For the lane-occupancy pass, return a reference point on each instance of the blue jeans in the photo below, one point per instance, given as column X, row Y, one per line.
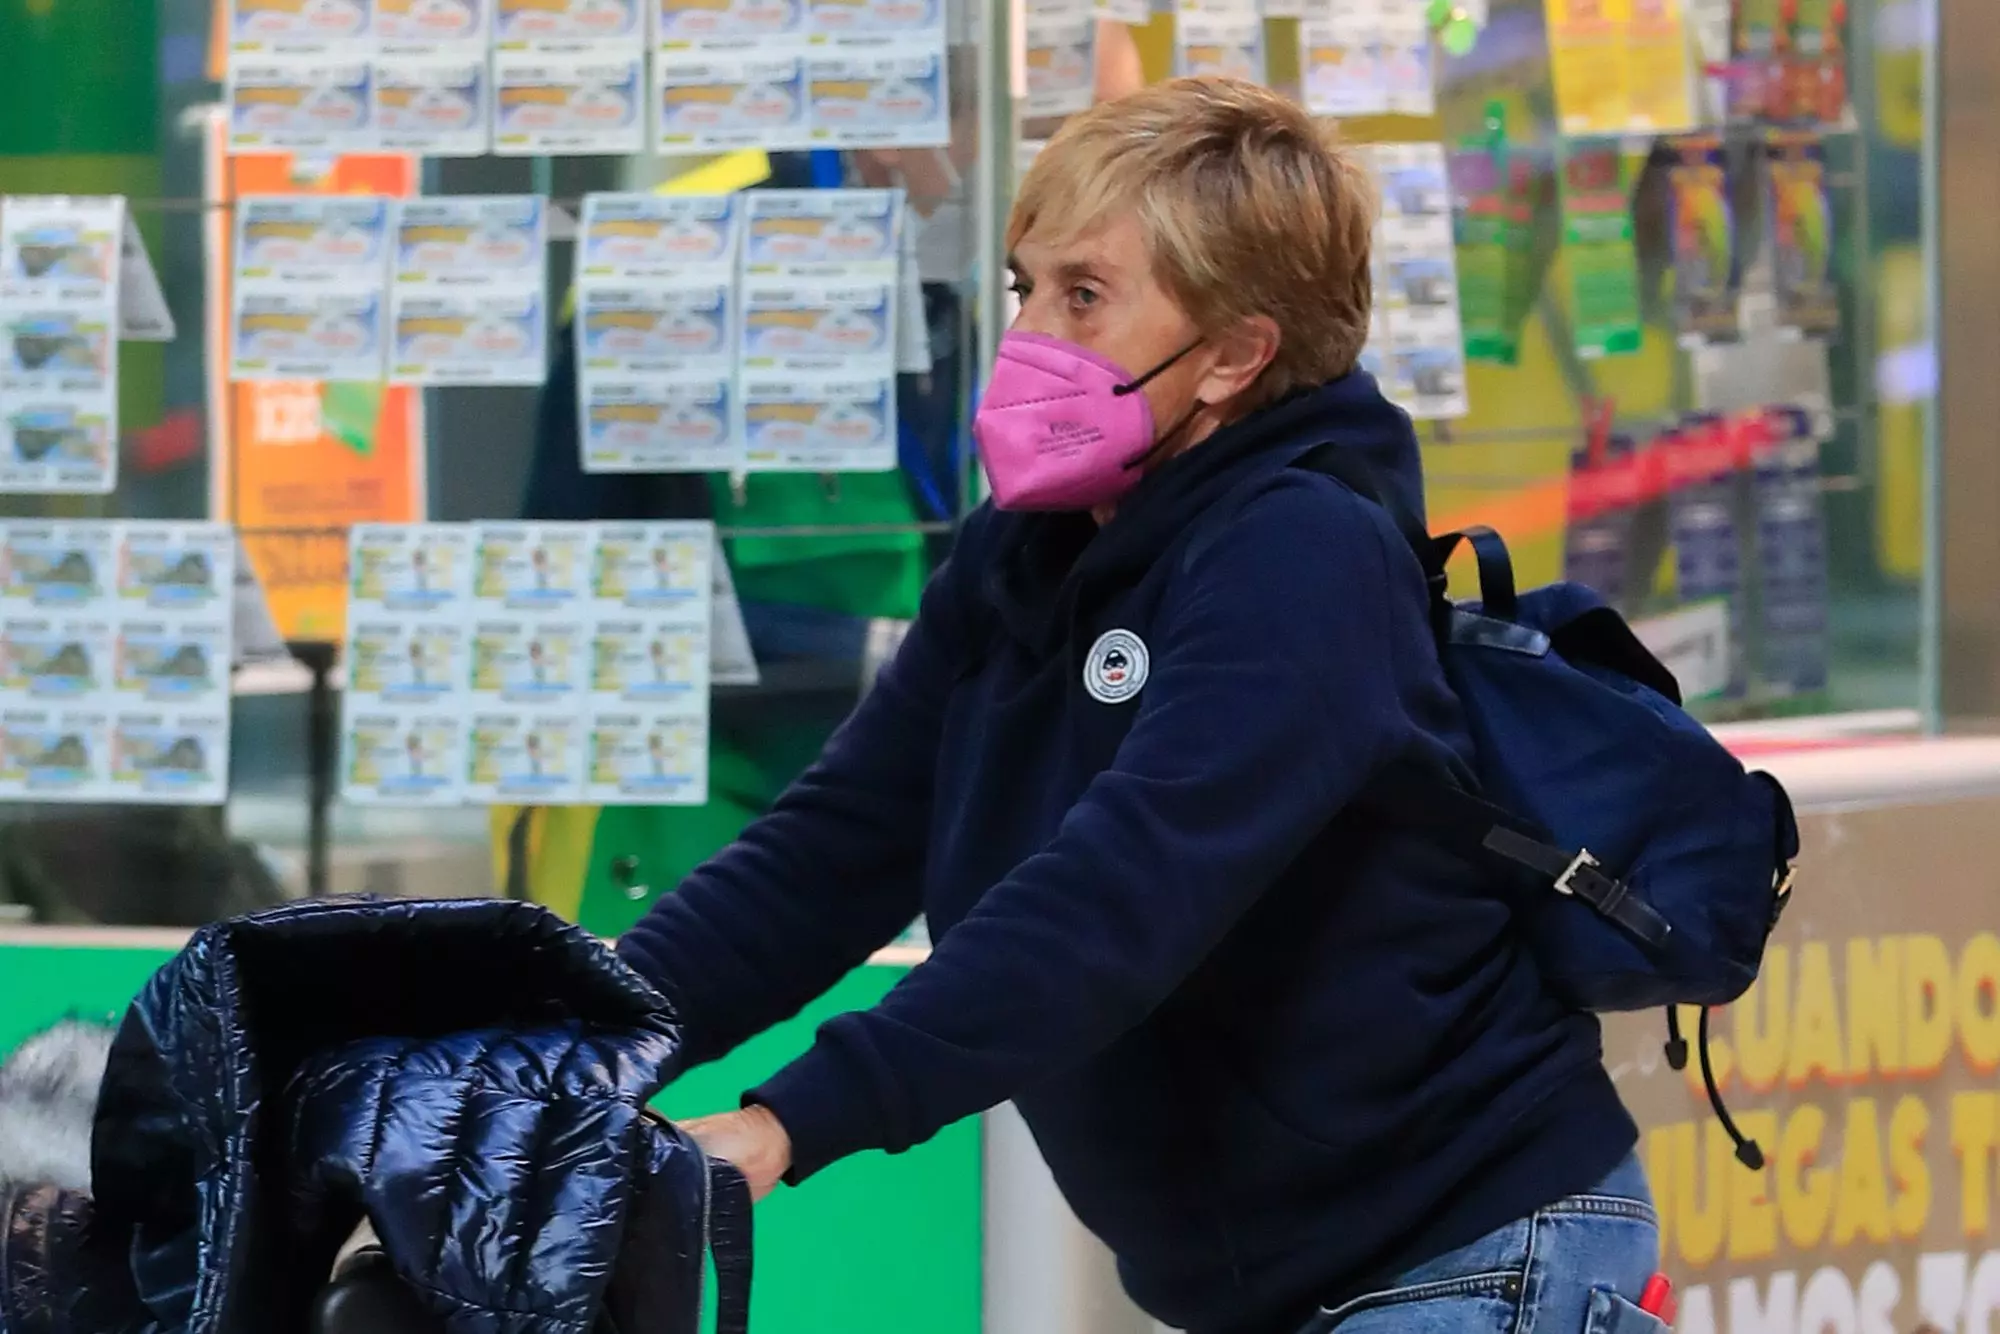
column 1576, row 1267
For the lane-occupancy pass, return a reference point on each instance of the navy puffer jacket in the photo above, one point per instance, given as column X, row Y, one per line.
column 469, row 1077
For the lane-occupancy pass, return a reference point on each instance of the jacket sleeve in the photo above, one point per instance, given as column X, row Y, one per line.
column 1273, row 696
column 829, row 875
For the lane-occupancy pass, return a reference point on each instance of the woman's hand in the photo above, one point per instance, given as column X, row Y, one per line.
column 753, row 1141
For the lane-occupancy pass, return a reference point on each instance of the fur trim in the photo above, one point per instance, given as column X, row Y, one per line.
column 48, row 1099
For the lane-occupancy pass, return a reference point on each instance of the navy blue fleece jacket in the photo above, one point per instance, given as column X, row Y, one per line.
column 1272, row 1052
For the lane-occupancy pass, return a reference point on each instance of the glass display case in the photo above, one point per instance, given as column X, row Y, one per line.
column 1695, row 365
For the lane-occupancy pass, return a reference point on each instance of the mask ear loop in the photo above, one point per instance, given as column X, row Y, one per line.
column 1121, row 390
column 1167, row 436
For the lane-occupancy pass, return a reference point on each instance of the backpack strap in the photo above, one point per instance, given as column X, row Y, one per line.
column 1496, row 568
column 729, row 1233
column 1475, row 829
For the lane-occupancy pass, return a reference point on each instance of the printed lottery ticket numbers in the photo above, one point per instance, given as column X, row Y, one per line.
column 656, row 332
column 818, row 341
column 115, row 640
column 791, row 74
column 469, row 300
column 59, row 294
column 528, row 663
column 345, row 75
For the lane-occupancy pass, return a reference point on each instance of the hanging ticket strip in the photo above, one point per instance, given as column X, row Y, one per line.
column 528, row 664
column 567, row 77
column 59, row 303
column 115, row 650
column 1416, row 342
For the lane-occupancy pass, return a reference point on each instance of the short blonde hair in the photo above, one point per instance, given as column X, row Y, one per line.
column 1248, row 208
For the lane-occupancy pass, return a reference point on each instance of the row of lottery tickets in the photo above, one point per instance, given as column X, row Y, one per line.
column 59, row 303
column 1416, row 340
column 1358, row 57
column 428, row 291
column 528, row 664
column 115, row 653
column 759, row 331
column 568, row 77
column 751, row 332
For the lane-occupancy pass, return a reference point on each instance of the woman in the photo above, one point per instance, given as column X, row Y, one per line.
column 1296, row 1069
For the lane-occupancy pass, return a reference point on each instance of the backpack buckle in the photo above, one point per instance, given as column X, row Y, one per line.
column 1566, row 882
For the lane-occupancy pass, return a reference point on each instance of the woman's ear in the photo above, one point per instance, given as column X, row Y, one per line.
column 1240, row 357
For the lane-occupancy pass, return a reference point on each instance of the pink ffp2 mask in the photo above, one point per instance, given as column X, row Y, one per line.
column 1062, row 428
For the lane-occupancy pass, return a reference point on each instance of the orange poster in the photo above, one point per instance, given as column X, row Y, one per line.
column 294, row 463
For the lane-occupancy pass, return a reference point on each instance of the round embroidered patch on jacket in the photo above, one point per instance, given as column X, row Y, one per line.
column 1117, row 667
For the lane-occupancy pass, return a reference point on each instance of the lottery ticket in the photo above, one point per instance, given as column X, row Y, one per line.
column 657, row 569
column 568, row 104
column 1061, row 57
column 832, row 325
column 817, row 423
column 309, row 288
column 468, row 338
column 58, row 565
column 555, row 24
column 1341, row 57
column 292, row 101
column 432, row 105
column 56, row 659
column 54, row 754
column 256, row 25
column 433, row 25
column 518, row 567
column 895, row 98
column 636, row 757
column 410, row 569
column 708, row 100
column 656, row 331
column 524, row 758
column 59, row 301
column 849, row 18
column 168, row 661
column 403, row 757
column 470, row 292
column 169, row 757
column 683, row 23
column 1227, row 47
column 397, row 660
column 644, row 236
column 658, row 423
column 57, row 442
column 823, row 233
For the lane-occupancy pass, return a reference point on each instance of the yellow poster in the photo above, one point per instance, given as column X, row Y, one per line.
column 1658, row 68
column 1588, row 59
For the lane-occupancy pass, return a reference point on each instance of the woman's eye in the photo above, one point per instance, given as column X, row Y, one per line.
column 1083, row 296
column 1020, row 287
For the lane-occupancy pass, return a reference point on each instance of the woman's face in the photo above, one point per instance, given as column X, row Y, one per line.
column 1098, row 291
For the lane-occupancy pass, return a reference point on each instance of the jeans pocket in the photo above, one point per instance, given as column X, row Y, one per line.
column 1612, row 1314
column 1473, row 1304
